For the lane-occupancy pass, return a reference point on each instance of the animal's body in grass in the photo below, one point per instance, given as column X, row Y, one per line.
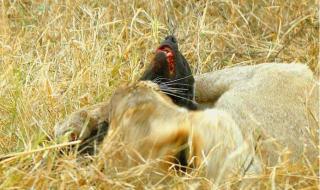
column 169, row 69
column 275, row 103
column 151, row 126
column 267, row 114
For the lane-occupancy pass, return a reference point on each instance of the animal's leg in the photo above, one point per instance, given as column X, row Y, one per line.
column 84, row 123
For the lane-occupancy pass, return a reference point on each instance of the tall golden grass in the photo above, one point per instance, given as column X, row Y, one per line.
column 58, row 56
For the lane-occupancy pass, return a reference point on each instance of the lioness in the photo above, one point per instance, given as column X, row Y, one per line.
column 275, row 103
column 266, row 114
column 168, row 68
column 149, row 123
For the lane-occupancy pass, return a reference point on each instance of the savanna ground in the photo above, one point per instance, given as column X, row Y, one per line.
column 59, row 56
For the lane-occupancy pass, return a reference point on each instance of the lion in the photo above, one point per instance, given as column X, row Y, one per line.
column 251, row 116
column 275, row 103
column 151, row 124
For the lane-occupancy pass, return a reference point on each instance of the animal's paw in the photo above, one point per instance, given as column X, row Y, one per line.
column 74, row 127
column 84, row 123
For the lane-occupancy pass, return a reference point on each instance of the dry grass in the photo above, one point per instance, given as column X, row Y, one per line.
column 58, row 56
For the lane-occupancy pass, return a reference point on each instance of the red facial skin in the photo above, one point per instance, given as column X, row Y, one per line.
column 169, row 54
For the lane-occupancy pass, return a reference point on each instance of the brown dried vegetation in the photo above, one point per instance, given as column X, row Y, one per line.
column 59, row 56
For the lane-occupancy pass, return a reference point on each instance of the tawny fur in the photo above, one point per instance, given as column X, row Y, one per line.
column 79, row 125
column 277, row 103
column 270, row 111
column 149, row 123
